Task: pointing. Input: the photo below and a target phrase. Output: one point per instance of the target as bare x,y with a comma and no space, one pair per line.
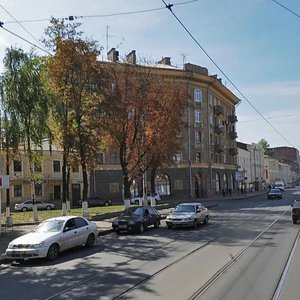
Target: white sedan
52,237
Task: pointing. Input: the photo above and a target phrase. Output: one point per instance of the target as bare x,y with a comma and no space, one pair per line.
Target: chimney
131,57
113,55
165,61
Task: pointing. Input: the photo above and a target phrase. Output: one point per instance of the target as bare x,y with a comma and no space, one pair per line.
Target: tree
77,82
26,105
264,145
144,115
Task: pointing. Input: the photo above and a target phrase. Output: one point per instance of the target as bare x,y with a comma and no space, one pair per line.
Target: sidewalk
104,221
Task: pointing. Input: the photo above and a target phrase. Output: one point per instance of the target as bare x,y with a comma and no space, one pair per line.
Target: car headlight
10,246
35,246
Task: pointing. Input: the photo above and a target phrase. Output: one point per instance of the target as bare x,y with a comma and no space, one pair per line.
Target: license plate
122,226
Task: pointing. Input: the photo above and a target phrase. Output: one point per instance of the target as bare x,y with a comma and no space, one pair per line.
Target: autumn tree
144,116
77,82
26,105
264,145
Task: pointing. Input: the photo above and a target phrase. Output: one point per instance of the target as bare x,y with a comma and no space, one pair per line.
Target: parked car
274,194
27,205
136,200
136,219
188,215
279,185
97,201
52,237
295,212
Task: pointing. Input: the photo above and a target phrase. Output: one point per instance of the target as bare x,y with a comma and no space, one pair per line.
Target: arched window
218,187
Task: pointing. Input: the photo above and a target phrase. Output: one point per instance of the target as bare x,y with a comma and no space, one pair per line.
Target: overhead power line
286,8
20,37
19,24
72,18
169,7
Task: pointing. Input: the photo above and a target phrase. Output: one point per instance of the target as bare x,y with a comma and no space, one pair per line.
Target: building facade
205,164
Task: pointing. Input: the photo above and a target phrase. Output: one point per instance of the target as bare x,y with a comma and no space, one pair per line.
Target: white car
136,200
52,237
27,205
188,215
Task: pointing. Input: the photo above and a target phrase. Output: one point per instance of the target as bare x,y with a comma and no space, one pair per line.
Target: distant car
136,219
97,201
188,215
27,205
279,185
274,194
52,237
295,212
156,196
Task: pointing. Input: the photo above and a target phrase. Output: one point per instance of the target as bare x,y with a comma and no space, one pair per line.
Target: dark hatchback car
97,201
136,219
295,212
275,194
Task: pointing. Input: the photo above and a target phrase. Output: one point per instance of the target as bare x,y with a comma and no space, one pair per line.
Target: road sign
4,181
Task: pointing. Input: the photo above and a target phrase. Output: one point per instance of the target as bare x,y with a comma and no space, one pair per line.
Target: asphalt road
247,251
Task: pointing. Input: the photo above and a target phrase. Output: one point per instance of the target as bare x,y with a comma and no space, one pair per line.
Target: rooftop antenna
183,56
107,39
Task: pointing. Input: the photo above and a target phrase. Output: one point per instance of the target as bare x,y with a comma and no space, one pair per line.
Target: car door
69,236
153,216
147,217
83,230
39,205
199,213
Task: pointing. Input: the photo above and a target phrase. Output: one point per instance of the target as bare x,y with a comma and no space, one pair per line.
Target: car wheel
106,203
53,252
195,224
90,242
205,220
157,223
48,207
24,209
141,228
170,226
136,202
118,231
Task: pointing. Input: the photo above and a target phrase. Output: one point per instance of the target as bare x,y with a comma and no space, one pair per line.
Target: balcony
219,129
232,118
218,109
233,151
219,148
233,135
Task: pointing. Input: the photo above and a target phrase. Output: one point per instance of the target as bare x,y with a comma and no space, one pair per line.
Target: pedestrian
242,191
223,192
230,191
245,192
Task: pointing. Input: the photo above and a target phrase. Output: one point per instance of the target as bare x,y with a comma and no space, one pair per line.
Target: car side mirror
172,210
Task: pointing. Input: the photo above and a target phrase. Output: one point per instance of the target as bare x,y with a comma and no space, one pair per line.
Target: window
197,95
17,166
38,189
198,137
197,116
114,158
177,157
100,158
38,167
56,166
198,156
18,190
79,222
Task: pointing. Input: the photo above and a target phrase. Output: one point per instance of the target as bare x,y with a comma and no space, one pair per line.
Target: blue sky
255,43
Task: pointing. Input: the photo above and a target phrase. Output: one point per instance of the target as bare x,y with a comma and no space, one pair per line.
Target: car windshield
185,208
133,211
275,191
50,226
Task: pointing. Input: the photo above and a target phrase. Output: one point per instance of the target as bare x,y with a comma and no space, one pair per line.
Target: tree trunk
64,183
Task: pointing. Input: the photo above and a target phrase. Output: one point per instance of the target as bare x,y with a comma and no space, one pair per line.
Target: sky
254,46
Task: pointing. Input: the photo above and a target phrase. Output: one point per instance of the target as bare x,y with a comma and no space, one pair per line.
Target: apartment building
48,185
206,161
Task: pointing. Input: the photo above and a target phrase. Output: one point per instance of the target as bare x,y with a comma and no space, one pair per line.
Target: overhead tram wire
286,8
72,18
169,7
20,24
20,37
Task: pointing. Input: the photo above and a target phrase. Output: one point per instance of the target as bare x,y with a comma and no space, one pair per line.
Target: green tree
26,103
77,82
265,145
